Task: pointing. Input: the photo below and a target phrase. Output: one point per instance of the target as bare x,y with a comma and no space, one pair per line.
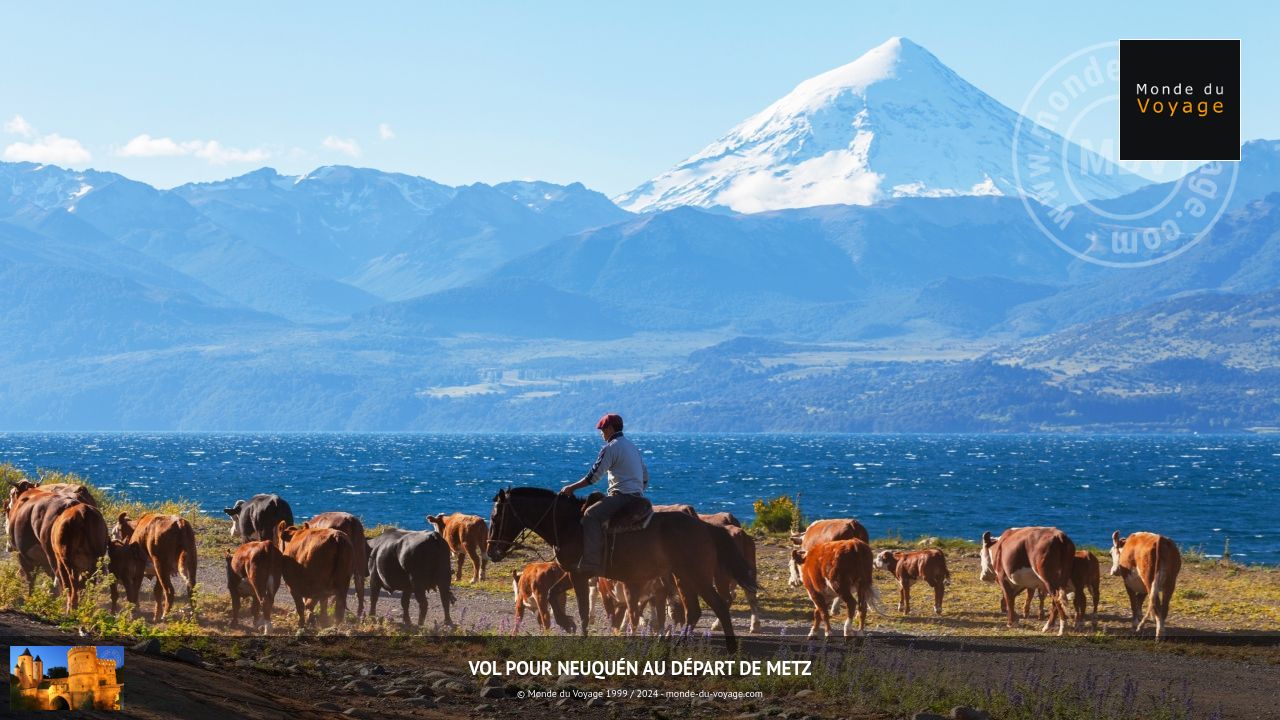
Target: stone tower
25,671
82,674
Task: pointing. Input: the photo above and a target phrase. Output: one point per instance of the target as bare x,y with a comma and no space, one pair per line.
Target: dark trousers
593,524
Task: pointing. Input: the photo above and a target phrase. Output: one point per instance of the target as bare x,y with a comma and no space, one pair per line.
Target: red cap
612,420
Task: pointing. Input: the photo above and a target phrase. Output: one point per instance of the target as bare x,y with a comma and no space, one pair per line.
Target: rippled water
1197,490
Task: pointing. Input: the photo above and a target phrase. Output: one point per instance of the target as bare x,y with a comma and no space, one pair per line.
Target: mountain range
886,277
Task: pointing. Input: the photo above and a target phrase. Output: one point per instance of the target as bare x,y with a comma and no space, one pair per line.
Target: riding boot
592,546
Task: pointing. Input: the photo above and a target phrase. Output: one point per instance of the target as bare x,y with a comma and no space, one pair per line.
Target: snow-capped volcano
895,122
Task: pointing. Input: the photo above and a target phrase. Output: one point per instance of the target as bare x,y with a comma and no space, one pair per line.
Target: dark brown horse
673,542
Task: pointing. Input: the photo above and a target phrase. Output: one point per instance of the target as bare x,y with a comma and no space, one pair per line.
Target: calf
466,535
542,587
837,570
911,567
254,570
624,603
351,525
316,565
1030,557
410,563
258,518
1149,564
169,544
1084,577
820,531
613,601
78,539
127,564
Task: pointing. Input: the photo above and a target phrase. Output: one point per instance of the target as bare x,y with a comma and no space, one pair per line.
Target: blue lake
1199,490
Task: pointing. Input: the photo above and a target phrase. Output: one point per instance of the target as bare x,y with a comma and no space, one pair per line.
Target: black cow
257,518
410,563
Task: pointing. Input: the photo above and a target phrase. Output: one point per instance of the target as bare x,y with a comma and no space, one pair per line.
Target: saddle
630,520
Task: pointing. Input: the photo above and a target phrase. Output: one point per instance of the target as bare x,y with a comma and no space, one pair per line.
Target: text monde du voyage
1180,99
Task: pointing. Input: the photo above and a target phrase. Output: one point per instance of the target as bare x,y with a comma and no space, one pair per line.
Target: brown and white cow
77,540
820,531
466,536
254,571
542,587
169,544
1030,557
1085,577
351,525
316,565
909,567
1149,565
837,570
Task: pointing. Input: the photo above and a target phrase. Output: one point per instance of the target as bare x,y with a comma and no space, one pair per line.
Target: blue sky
56,656
608,94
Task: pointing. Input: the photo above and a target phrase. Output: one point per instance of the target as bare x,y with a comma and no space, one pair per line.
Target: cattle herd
58,528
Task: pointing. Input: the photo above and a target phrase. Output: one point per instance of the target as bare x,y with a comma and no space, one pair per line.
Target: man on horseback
628,479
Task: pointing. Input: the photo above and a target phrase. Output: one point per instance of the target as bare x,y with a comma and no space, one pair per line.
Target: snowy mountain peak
895,122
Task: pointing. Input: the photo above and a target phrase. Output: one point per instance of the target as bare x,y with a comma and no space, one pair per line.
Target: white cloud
211,151
52,148
19,126
146,146
346,146
216,154
385,132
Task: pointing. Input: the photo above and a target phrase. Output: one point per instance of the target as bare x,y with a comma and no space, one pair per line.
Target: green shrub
779,515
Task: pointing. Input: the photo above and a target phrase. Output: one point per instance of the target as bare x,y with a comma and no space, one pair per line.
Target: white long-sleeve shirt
622,461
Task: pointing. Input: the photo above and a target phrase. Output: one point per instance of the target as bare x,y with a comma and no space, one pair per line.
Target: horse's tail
730,557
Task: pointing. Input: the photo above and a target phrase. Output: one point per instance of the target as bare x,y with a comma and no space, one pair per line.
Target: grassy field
1212,598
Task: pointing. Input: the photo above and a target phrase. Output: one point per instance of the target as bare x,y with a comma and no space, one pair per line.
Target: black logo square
1179,99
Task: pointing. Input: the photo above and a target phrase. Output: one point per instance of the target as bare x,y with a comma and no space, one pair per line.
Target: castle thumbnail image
65,678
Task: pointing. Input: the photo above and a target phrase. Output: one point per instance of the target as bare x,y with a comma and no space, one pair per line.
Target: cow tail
873,598
187,553
730,557
1157,588
946,576
444,578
